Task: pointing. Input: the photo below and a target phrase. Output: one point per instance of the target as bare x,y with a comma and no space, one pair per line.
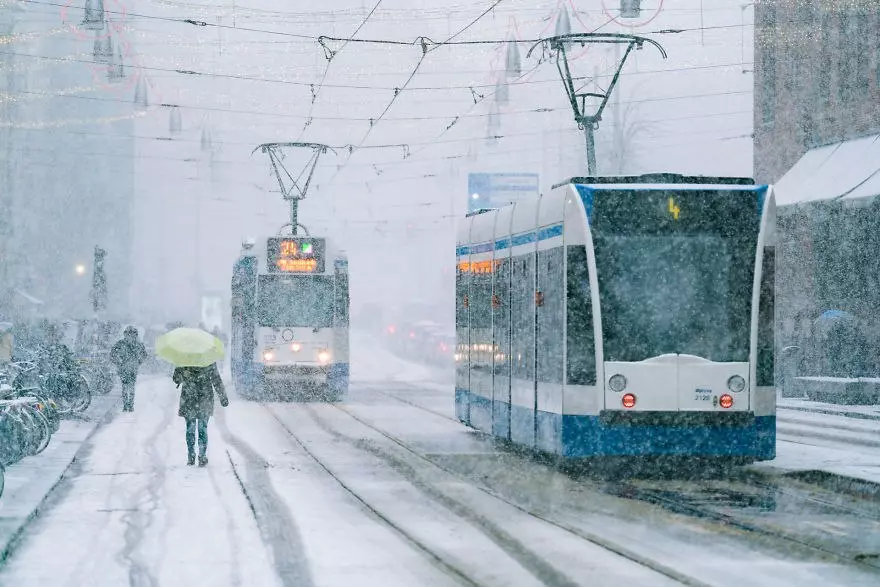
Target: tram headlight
324,356
268,355
736,384
617,383
296,347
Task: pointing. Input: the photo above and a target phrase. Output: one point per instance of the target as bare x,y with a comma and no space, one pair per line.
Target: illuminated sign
296,265
673,208
295,255
479,266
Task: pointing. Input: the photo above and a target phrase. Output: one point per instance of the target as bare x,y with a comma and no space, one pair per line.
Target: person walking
127,354
198,385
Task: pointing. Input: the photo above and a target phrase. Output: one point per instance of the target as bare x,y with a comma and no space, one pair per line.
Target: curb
10,536
831,412
861,488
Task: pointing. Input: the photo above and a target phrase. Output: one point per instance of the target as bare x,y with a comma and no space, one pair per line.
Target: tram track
678,503
510,544
435,558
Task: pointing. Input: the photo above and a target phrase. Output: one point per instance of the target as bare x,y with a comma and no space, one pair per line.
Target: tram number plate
702,395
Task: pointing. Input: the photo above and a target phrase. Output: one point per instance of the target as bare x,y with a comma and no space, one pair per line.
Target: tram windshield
675,272
285,301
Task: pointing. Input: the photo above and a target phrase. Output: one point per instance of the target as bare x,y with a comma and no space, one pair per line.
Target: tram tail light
725,401
628,400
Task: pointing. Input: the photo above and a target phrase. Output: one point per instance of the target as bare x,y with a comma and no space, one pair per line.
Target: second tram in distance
290,319
621,316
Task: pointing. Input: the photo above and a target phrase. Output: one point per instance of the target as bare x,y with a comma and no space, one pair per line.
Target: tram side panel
550,323
582,396
501,324
243,299
523,281
462,329
764,398
340,367
482,352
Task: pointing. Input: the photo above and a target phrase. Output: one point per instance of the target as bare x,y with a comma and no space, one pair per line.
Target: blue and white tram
290,318
621,316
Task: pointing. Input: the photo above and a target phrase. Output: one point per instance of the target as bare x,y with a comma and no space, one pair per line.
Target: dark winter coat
198,386
127,355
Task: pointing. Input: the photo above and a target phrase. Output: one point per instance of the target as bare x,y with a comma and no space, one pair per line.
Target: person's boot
191,459
203,460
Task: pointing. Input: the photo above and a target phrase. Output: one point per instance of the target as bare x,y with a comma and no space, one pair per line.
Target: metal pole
591,149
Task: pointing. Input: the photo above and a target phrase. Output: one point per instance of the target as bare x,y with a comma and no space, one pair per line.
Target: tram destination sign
294,254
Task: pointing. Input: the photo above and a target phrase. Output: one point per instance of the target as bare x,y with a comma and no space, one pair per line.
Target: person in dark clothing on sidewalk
198,387
128,354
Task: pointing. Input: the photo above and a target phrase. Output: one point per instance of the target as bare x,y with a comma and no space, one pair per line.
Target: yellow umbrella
189,347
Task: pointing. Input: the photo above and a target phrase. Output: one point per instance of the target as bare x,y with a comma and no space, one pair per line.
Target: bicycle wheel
31,431
44,430
2,479
83,394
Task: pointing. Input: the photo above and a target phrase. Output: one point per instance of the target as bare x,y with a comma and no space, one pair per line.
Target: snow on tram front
622,317
290,319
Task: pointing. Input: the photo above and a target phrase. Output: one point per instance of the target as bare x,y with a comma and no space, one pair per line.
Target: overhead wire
317,91
492,94
397,91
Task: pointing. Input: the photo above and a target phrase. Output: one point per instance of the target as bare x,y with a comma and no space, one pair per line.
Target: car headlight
617,383
324,357
736,384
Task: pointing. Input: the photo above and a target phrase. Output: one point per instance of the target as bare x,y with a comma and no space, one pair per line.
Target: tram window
501,315
301,301
480,300
549,316
581,347
461,291
522,307
676,278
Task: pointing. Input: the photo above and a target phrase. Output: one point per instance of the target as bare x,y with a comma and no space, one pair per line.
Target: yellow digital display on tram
296,255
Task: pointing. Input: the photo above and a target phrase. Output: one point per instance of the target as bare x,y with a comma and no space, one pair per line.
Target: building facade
66,165
817,77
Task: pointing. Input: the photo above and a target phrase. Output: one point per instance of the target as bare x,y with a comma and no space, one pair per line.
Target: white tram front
621,316
290,318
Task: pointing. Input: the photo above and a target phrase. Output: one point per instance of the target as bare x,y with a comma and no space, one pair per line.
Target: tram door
549,350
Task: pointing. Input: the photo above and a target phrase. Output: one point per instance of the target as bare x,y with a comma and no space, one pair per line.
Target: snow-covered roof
848,169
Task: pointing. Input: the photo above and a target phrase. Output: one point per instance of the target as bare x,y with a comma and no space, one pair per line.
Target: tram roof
658,178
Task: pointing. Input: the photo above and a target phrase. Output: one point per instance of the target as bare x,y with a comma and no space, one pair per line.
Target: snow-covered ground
386,489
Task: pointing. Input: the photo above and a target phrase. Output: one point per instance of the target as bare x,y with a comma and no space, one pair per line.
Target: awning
845,170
